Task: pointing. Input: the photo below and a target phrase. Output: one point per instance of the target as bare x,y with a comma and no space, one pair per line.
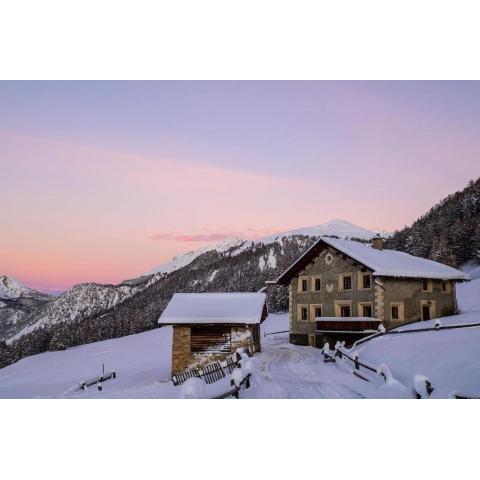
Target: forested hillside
448,233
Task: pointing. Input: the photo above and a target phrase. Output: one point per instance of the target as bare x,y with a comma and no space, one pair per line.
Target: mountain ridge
337,227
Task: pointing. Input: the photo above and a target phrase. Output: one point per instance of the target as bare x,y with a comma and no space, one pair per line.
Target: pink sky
99,207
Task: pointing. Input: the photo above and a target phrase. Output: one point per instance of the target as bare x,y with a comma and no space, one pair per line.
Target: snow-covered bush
193,388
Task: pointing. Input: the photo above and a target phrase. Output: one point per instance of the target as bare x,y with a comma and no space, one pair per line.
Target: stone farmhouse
342,290
210,326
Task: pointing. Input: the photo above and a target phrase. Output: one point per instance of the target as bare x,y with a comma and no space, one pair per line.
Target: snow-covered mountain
11,288
181,261
17,303
79,302
339,228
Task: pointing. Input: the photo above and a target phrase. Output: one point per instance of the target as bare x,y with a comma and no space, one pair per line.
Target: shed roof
383,263
225,307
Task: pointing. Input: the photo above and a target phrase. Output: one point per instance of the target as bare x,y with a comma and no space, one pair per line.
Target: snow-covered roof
241,307
383,263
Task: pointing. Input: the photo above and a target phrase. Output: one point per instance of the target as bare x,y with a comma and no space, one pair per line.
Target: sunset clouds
101,181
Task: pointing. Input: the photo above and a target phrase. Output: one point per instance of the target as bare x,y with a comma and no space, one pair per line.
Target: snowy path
283,370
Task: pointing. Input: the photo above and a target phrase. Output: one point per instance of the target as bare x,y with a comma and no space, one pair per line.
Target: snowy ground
143,365
450,359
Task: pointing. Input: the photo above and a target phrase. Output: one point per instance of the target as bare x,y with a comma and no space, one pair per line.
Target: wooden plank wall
210,339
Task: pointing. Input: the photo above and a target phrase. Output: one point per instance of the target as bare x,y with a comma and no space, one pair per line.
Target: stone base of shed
184,359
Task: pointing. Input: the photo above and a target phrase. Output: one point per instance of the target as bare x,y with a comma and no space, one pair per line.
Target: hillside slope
448,233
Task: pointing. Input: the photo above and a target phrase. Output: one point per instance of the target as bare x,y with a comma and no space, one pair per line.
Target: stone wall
409,291
181,355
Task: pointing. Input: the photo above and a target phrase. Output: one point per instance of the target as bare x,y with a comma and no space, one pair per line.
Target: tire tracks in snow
290,371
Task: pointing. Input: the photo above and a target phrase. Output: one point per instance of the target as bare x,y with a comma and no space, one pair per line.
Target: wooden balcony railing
347,324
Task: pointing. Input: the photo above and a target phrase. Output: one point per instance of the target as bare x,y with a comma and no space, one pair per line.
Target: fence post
355,359
422,386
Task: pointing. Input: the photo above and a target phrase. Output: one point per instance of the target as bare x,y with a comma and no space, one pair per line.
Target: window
318,284
302,313
396,312
303,284
364,280
345,281
426,285
427,309
446,287
343,308
366,310
315,311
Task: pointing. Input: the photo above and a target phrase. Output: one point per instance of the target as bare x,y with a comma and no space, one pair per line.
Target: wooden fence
234,392
211,372
364,371
84,384
393,330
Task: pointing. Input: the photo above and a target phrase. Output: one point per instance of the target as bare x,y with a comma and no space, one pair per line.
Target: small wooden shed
210,326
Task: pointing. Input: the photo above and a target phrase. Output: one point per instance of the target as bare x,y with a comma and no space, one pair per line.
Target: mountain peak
340,228
11,288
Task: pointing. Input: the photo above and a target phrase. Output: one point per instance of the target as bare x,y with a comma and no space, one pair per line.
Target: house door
311,340
425,312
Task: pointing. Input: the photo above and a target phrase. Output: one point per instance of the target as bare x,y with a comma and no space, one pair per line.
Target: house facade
340,279
208,327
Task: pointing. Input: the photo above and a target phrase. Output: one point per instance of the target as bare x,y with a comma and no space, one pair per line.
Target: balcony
350,325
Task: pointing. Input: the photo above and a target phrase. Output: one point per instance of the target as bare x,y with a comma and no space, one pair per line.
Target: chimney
377,242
